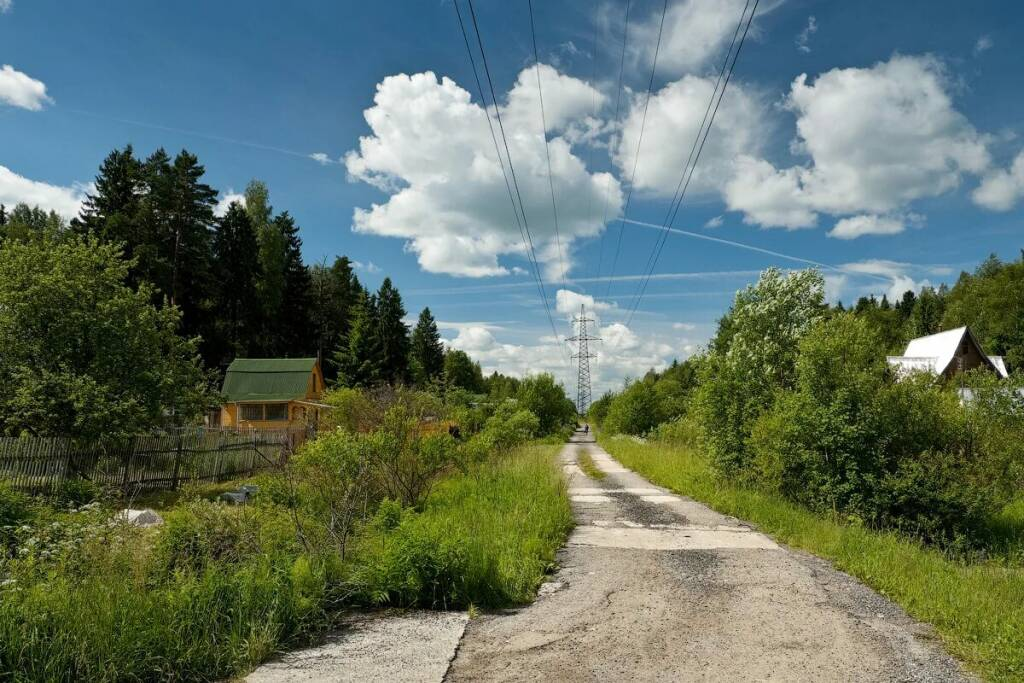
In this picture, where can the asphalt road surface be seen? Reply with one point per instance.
(655, 586)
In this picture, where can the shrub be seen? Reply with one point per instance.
(753, 356)
(637, 410)
(76, 493)
(202, 533)
(848, 439)
(681, 431)
(14, 506)
(546, 399)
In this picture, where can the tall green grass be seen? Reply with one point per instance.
(217, 589)
(486, 538)
(976, 607)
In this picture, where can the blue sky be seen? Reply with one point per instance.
(897, 159)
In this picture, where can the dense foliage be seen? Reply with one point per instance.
(84, 354)
(796, 397)
(386, 509)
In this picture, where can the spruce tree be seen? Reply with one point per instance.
(295, 332)
(237, 271)
(359, 356)
(394, 335)
(333, 294)
(427, 351)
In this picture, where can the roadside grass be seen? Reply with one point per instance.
(217, 589)
(975, 606)
(589, 467)
(486, 538)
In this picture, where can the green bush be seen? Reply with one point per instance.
(202, 533)
(637, 410)
(849, 439)
(546, 399)
(14, 506)
(76, 493)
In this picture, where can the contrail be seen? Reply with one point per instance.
(751, 247)
(207, 136)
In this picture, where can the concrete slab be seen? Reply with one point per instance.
(668, 539)
(414, 646)
(591, 499)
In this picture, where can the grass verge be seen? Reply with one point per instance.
(486, 538)
(974, 606)
(589, 467)
(216, 589)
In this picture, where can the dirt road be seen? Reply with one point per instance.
(654, 586)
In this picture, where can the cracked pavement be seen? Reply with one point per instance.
(655, 586)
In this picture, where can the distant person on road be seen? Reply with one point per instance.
(586, 429)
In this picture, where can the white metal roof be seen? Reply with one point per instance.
(935, 352)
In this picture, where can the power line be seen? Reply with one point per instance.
(544, 136)
(528, 242)
(618, 99)
(698, 145)
(639, 141)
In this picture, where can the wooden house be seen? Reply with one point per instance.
(272, 393)
(946, 354)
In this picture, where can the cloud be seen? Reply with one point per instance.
(321, 158)
(674, 116)
(866, 224)
(16, 189)
(877, 138)
(803, 39)
(896, 271)
(983, 44)
(430, 150)
(369, 266)
(568, 303)
(5, 6)
(715, 222)
(687, 327)
(696, 31)
(21, 90)
(621, 353)
(226, 200)
(1001, 189)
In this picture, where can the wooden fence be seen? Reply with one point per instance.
(146, 461)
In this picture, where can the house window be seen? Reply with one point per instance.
(277, 412)
(272, 412)
(252, 411)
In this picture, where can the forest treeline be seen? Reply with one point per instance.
(148, 245)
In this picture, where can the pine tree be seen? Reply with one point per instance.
(427, 351)
(295, 332)
(394, 335)
(237, 271)
(359, 356)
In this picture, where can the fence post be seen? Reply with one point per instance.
(177, 462)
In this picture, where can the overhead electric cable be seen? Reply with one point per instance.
(639, 141)
(544, 136)
(688, 173)
(531, 252)
(618, 99)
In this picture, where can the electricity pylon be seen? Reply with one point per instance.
(583, 356)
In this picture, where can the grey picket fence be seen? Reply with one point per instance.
(147, 461)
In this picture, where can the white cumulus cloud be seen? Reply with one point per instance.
(16, 189)
(430, 150)
(225, 201)
(696, 32)
(674, 116)
(876, 139)
(1000, 190)
(866, 224)
(21, 90)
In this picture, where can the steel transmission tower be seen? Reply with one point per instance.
(583, 356)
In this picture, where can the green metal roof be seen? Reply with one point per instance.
(267, 379)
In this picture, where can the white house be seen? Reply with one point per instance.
(946, 354)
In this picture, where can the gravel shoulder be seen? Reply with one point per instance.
(655, 586)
